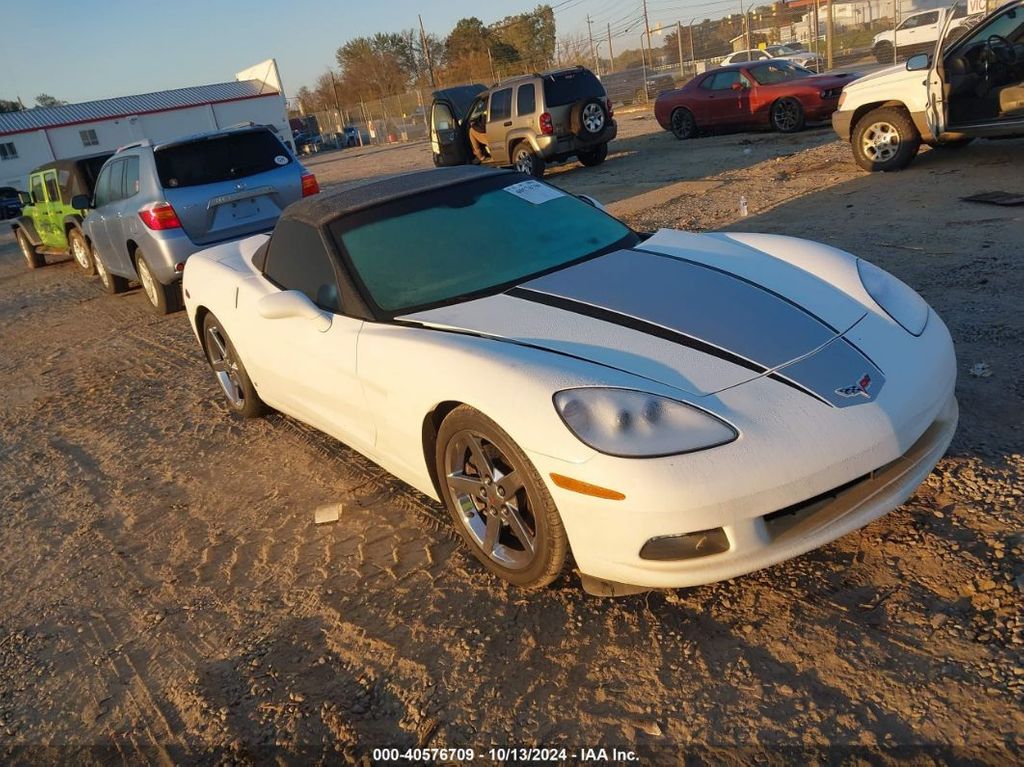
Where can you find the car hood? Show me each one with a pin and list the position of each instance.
(700, 313)
(831, 81)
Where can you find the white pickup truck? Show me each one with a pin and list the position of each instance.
(970, 88)
(919, 32)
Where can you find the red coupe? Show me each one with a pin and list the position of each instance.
(774, 93)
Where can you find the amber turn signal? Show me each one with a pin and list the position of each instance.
(586, 488)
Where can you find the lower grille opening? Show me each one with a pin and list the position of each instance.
(703, 543)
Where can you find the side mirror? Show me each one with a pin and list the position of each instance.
(737, 86)
(919, 62)
(290, 304)
(81, 202)
(25, 199)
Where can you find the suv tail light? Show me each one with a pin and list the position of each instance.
(160, 216)
(546, 126)
(611, 109)
(309, 185)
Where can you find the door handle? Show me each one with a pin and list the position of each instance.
(508, 124)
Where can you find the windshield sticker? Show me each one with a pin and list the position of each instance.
(534, 192)
(281, 160)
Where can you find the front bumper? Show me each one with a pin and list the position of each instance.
(841, 123)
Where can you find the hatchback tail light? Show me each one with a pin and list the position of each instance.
(160, 216)
(309, 185)
(546, 126)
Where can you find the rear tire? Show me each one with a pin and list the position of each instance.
(498, 503)
(883, 53)
(684, 126)
(165, 299)
(588, 118)
(111, 283)
(593, 157)
(234, 381)
(885, 139)
(33, 259)
(525, 160)
(81, 252)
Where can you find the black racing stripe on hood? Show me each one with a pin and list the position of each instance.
(626, 321)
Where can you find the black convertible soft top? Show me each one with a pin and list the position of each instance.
(321, 209)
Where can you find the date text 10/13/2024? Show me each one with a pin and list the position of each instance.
(504, 754)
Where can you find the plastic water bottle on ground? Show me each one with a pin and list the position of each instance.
(743, 205)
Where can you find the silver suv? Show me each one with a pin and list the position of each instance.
(154, 205)
(528, 121)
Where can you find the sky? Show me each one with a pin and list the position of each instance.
(79, 51)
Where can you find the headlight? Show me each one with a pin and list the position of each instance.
(842, 98)
(634, 424)
(896, 298)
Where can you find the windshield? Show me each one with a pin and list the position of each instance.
(471, 238)
(1007, 25)
(774, 72)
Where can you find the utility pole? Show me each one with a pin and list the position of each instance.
(590, 33)
(647, 31)
(746, 26)
(426, 51)
(611, 54)
(647, 27)
(679, 39)
(829, 31)
(337, 104)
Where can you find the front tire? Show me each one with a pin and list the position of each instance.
(111, 283)
(788, 116)
(885, 139)
(81, 252)
(883, 53)
(497, 501)
(593, 157)
(165, 299)
(684, 126)
(32, 259)
(234, 381)
(525, 160)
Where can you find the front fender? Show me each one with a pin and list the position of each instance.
(27, 225)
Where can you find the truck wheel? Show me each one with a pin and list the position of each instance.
(28, 250)
(112, 283)
(525, 160)
(164, 299)
(593, 157)
(883, 53)
(80, 250)
(885, 139)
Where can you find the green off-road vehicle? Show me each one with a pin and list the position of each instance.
(48, 225)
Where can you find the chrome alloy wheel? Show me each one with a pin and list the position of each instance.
(225, 366)
(491, 500)
(593, 118)
(524, 162)
(103, 273)
(881, 141)
(79, 252)
(148, 283)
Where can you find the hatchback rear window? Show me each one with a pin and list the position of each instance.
(570, 87)
(220, 158)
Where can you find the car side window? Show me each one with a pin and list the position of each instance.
(478, 109)
(52, 190)
(526, 99)
(116, 188)
(130, 184)
(100, 192)
(442, 117)
(744, 56)
(501, 105)
(298, 260)
(929, 18)
(723, 81)
(38, 195)
(759, 55)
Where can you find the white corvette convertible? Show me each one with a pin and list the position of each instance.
(673, 409)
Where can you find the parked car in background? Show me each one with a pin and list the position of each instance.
(10, 203)
(627, 86)
(528, 121)
(673, 409)
(307, 143)
(919, 32)
(50, 224)
(772, 93)
(805, 59)
(970, 86)
(156, 204)
(351, 135)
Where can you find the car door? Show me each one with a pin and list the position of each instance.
(40, 217)
(304, 370)
(53, 212)
(729, 106)
(499, 122)
(448, 141)
(98, 218)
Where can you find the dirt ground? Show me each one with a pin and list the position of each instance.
(166, 596)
